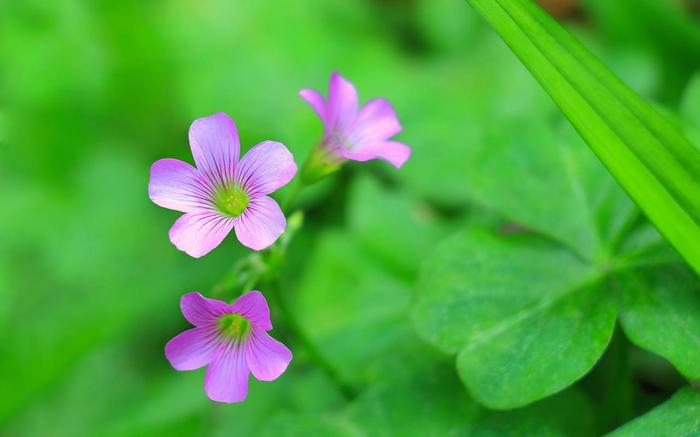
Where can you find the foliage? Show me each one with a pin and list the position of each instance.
(501, 283)
(651, 159)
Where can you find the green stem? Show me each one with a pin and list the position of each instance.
(263, 268)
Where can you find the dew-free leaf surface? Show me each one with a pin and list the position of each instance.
(649, 157)
(529, 308)
(679, 417)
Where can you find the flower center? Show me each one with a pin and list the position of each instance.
(234, 326)
(232, 201)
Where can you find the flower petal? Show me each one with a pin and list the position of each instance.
(261, 223)
(267, 357)
(253, 307)
(315, 99)
(177, 185)
(227, 376)
(215, 146)
(197, 233)
(198, 310)
(375, 122)
(391, 151)
(193, 348)
(342, 101)
(265, 168)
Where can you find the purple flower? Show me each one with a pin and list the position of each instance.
(232, 340)
(223, 192)
(357, 134)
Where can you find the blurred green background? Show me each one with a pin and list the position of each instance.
(93, 92)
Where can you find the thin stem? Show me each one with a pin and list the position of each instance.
(263, 268)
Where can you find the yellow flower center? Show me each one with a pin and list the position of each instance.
(232, 201)
(234, 326)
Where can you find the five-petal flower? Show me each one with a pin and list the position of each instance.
(357, 134)
(232, 340)
(223, 192)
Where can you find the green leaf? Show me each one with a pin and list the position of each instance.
(384, 235)
(600, 231)
(355, 311)
(566, 414)
(611, 385)
(678, 417)
(443, 124)
(410, 405)
(527, 317)
(660, 312)
(648, 156)
(395, 405)
(545, 162)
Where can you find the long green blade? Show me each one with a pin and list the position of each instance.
(652, 161)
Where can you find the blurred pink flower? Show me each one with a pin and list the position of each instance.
(223, 192)
(232, 341)
(358, 134)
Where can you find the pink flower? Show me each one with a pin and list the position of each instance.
(232, 340)
(357, 134)
(223, 192)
